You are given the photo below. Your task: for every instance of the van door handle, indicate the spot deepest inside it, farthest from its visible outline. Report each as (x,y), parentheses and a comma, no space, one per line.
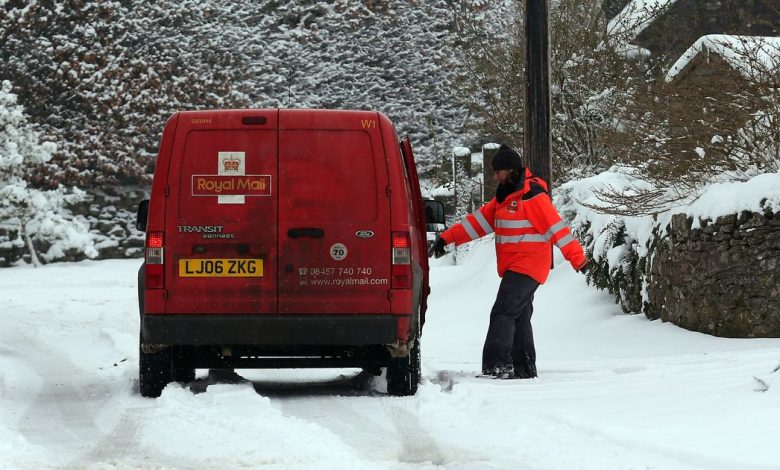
(308,232)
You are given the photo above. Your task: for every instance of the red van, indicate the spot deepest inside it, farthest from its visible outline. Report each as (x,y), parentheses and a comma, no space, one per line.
(282,238)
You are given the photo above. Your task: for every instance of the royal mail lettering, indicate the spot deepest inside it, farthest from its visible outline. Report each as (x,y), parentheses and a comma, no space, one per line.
(222,185)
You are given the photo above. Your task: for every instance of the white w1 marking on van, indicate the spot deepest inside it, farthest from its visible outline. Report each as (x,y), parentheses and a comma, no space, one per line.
(347,282)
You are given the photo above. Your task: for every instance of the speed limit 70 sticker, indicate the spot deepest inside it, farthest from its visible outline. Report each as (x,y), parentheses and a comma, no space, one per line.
(338,251)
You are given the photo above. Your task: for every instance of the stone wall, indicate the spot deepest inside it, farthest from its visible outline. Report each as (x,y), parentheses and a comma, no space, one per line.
(722,278)
(110,213)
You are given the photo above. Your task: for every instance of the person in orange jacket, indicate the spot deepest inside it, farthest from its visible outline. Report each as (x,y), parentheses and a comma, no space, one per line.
(525,224)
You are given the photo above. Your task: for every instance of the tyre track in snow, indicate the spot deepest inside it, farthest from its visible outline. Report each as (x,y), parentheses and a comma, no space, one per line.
(72,407)
(57,335)
(359,429)
(362,426)
(61,402)
(327,404)
(418,445)
(118,444)
(382,429)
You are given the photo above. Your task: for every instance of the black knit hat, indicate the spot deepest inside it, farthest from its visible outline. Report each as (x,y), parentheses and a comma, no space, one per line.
(507,158)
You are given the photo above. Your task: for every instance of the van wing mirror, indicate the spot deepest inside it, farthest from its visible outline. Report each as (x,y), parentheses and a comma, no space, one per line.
(434,216)
(142,215)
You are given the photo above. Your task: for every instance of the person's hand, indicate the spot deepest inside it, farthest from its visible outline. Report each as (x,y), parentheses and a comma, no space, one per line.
(438,247)
(584,268)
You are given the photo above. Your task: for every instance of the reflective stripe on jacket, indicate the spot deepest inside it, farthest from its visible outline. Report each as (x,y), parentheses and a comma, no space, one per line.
(525,226)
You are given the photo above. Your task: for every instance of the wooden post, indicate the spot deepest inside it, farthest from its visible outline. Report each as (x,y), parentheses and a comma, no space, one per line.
(537,148)
(537,145)
(488,183)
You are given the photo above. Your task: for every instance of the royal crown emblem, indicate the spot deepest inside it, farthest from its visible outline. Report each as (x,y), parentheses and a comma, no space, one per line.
(231,164)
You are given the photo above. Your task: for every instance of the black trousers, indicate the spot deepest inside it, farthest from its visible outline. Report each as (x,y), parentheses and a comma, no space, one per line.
(509,346)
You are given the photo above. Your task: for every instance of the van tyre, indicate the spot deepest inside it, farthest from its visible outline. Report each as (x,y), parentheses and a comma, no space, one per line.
(403,373)
(154,371)
(183,373)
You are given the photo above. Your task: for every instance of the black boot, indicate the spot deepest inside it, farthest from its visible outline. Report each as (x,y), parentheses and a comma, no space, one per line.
(499,372)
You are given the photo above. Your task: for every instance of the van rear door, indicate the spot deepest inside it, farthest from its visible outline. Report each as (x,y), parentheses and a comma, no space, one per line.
(334,222)
(221,208)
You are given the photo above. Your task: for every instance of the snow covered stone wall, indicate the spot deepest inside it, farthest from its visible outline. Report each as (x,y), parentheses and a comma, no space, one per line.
(722,278)
(110,215)
(711,266)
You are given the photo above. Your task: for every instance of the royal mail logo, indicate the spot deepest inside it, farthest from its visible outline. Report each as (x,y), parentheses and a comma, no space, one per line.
(231,164)
(227,185)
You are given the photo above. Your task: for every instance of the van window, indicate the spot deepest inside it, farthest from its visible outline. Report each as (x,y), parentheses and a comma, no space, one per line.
(332,174)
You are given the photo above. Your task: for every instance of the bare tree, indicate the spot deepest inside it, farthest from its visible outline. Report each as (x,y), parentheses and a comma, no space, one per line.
(589,79)
(719,121)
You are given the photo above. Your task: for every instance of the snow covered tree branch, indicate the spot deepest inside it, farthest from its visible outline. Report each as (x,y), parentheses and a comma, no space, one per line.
(39,218)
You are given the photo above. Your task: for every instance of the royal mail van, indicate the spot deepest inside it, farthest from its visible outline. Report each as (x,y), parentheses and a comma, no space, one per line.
(282,238)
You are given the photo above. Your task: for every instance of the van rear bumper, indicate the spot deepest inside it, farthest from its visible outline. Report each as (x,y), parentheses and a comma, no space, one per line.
(271,330)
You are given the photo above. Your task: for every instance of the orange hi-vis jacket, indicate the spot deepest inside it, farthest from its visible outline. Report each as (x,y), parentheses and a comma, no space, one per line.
(525,226)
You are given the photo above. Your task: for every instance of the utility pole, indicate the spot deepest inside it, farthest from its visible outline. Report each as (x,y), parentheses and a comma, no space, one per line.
(454,183)
(455,198)
(488,183)
(461,163)
(537,146)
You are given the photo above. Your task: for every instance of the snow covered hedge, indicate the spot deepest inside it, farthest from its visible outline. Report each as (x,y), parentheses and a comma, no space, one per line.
(103,76)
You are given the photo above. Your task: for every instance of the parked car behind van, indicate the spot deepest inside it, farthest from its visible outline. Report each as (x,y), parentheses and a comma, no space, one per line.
(282,238)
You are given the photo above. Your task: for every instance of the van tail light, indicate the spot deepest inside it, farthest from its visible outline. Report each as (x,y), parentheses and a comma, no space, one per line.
(402,261)
(154,266)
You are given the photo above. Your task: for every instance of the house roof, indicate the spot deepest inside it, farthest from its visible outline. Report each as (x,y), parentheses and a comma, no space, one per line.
(752,56)
(635,17)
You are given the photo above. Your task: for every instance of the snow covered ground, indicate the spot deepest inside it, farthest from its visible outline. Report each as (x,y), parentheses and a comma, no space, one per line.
(614,391)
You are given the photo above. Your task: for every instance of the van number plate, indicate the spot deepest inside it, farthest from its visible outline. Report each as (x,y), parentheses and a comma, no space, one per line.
(221,267)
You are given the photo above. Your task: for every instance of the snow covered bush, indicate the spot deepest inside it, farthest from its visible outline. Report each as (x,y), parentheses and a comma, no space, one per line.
(39,219)
(617,246)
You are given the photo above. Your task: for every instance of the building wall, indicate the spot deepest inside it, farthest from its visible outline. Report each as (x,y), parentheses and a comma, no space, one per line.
(709,98)
(688,20)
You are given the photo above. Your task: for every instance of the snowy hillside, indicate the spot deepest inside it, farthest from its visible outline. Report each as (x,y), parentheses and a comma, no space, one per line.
(614,391)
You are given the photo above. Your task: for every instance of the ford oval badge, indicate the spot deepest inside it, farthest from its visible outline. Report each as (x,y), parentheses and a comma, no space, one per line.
(364,234)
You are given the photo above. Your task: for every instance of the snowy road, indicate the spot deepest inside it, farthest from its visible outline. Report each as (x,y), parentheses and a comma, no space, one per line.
(614,391)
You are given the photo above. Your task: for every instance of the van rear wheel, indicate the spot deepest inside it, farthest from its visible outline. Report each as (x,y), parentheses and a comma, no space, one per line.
(154,370)
(403,373)
(182,372)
